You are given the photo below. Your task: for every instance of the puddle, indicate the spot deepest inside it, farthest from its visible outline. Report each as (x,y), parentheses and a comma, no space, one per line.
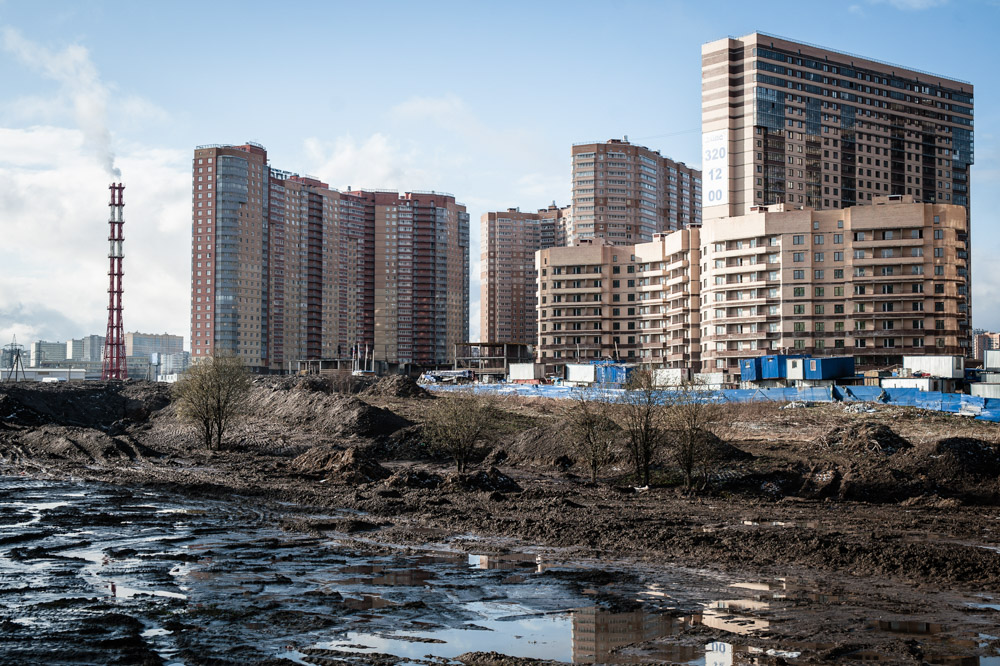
(158,577)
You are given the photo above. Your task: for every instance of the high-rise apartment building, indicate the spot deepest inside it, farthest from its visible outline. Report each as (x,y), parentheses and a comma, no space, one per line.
(669,284)
(625,193)
(874,282)
(45,353)
(792,123)
(983,340)
(303,271)
(587,303)
(421,277)
(508,242)
(89,348)
(144,344)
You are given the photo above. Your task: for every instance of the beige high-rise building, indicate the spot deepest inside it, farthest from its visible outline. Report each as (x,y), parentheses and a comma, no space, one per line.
(669,285)
(587,303)
(625,193)
(509,240)
(785,122)
(874,282)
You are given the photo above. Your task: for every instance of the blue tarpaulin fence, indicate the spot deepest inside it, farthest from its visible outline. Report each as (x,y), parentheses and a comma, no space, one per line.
(984,409)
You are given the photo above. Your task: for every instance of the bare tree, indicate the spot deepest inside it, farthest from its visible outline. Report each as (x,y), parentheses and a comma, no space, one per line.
(641,416)
(595,433)
(690,415)
(457,421)
(211,393)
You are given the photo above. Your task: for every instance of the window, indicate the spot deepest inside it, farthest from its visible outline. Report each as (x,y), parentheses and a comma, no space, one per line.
(798,240)
(817,256)
(799,292)
(818,239)
(819,309)
(818,274)
(939,234)
(799,327)
(798,275)
(798,256)
(798,309)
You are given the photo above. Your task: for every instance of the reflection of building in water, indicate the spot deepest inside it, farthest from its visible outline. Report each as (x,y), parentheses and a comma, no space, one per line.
(380,576)
(720,615)
(597,632)
(509,561)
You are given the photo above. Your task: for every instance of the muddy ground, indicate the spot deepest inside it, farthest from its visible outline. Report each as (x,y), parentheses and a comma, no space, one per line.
(894,503)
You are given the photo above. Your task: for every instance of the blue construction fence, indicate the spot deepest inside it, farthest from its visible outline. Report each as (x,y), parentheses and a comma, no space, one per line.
(983,409)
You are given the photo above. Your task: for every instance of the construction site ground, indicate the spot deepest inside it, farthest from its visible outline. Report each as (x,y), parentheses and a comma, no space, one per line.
(880,524)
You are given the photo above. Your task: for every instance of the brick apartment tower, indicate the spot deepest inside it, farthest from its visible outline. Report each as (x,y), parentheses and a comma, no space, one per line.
(509,240)
(626,193)
(294,267)
(799,125)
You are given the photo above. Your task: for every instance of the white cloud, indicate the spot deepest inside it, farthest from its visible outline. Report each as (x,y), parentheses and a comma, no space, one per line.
(911,5)
(55,202)
(80,83)
(376,162)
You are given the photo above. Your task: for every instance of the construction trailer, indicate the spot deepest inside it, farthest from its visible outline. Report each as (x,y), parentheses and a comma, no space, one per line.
(775,366)
(828,367)
(922,383)
(751,369)
(671,376)
(949,367)
(992,360)
(525,373)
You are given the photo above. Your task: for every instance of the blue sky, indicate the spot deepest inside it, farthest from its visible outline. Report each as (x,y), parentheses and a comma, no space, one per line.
(479,99)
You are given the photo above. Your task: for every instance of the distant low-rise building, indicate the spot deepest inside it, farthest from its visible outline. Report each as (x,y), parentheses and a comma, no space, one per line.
(43,353)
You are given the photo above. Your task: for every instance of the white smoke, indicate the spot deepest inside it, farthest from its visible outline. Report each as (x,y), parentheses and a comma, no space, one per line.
(80,82)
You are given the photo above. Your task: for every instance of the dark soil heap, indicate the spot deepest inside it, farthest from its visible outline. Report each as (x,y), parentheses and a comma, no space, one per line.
(395,386)
(350,466)
(334,415)
(862,440)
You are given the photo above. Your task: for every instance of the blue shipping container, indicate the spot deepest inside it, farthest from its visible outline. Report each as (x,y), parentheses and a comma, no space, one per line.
(832,367)
(773,367)
(612,373)
(750,369)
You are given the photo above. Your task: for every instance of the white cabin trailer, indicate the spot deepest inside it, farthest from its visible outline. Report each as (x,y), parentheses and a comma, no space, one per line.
(671,376)
(992,361)
(795,368)
(525,372)
(920,383)
(985,390)
(580,374)
(952,367)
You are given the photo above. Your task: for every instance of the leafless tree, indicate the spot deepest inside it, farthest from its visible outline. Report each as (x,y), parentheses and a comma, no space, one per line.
(641,415)
(211,393)
(594,433)
(457,421)
(689,416)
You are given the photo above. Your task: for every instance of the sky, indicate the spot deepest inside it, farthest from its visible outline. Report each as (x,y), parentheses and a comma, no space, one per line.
(480,99)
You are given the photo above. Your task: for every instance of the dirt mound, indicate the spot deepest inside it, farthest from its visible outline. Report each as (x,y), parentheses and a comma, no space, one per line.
(395,386)
(862,439)
(413,479)
(312,384)
(958,458)
(88,405)
(335,415)
(349,466)
(84,445)
(488,480)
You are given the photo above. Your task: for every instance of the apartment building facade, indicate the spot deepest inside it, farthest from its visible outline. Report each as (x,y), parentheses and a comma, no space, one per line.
(792,123)
(625,193)
(284,267)
(422,277)
(587,303)
(508,242)
(669,285)
(874,282)
(144,344)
